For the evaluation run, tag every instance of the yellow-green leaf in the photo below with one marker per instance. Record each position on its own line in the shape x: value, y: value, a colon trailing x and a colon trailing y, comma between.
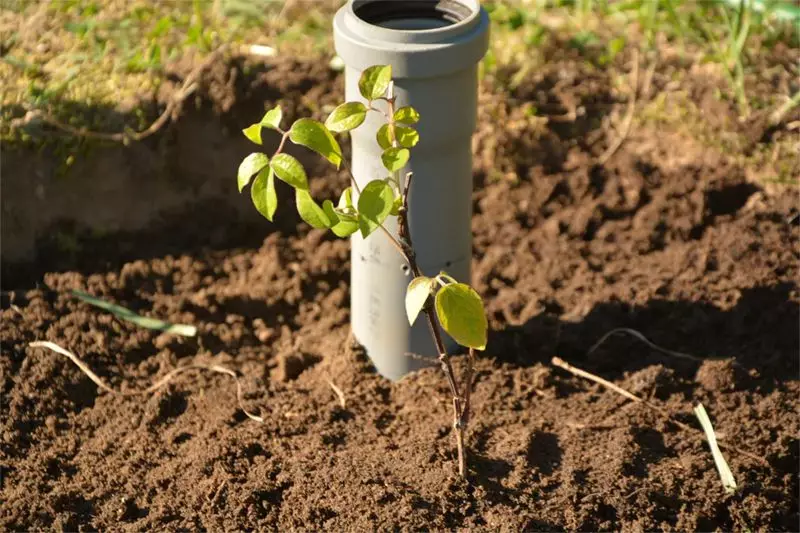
x: 314, y: 135
x: 263, y: 193
x: 374, y: 205
x: 346, y: 117
x: 289, y: 169
x: 374, y: 81
x: 253, y: 133
x: 310, y: 211
x: 249, y: 166
x: 395, y: 158
x: 460, y: 311
x: 416, y: 295
x: 406, y: 115
x: 272, y: 118
x: 406, y: 137
x: 384, y: 137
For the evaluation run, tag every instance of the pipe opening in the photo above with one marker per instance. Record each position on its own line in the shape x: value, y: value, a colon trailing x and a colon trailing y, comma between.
x: 411, y: 15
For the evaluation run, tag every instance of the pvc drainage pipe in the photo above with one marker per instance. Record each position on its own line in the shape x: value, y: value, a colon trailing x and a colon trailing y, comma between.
x: 434, y: 47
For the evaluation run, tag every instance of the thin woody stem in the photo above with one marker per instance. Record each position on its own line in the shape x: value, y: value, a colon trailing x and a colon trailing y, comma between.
x: 460, y: 403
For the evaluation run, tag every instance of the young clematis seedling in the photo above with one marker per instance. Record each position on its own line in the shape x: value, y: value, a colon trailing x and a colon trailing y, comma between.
x: 446, y: 303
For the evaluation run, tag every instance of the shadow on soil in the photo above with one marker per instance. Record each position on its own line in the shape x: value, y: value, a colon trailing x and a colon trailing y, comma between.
x: 759, y: 333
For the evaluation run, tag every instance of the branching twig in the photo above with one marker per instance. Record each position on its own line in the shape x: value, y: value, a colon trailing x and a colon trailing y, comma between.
x: 155, y: 386
x: 188, y: 87
x: 557, y: 361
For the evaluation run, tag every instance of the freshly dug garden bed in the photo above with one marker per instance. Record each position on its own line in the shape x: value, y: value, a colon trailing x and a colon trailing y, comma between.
x: 668, y: 236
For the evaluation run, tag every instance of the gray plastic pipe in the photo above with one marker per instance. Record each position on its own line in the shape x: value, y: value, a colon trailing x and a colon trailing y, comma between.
x: 434, y: 47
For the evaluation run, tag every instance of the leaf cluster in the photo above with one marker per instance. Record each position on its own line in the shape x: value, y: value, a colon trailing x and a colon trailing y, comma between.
x: 458, y: 307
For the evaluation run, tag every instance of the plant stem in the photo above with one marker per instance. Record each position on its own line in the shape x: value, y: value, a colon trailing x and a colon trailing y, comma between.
x: 460, y: 403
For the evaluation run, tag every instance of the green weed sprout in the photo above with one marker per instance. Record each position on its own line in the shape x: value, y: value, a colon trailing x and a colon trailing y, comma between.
x: 443, y: 300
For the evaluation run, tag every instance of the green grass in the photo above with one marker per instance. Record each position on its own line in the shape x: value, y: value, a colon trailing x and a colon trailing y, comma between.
x: 114, y: 54
x: 109, y: 52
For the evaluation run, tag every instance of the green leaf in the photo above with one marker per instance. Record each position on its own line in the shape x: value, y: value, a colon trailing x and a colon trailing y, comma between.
x: 253, y: 133
x: 383, y: 137
x: 460, y: 311
x: 374, y: 81
x: 406, y: 137
x: 346, y: 199
x: 327, y: 207
x: 416, y: 295
x: 395, y: 158
x: 310, y: 211
x: 314, y: 135
x: 374, y: 205
x: 250, y: 165
x: 344, y: 225
x: 143, y: 321
x: 272, y: 118
x: 346, y: 117
x: 290, y: 170
x: 263, y: 193
x: 406, y: 115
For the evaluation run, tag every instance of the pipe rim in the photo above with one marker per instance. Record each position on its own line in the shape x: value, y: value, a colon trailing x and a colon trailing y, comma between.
x: 431, y: 35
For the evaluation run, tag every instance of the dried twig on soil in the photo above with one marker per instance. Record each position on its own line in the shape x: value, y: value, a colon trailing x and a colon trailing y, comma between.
x: 626, y: 122
x: 188, y: 87
x: 557, y: 361
x: 155, y: 386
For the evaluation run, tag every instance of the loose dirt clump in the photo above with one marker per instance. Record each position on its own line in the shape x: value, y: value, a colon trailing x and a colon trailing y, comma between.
x: 663, y: 238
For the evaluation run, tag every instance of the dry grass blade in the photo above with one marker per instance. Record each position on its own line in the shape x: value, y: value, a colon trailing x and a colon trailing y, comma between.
x: 557, y: 361
x: 155, y: 386
x: 146, y: 322
x: 339, y: 393
x: 725, y: 474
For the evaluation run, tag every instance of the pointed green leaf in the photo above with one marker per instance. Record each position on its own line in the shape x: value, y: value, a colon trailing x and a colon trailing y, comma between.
x: 374, y: 205
x: 310, y: 211
x: 383, y: 137
x: 460, y: 311
x: 144, y: 321
x: 395, y: 158
x: 346, y: 199
x: 406, y: 115
x: 290, y: 170
x: 272, y: 118
x: 344, y: 225
x: 346, y: 117
x: 253, y: 133
x: 263, y: 193
x: 314, y: 135
x: 416, y: 295
x: 250, y: 165
x: 406, y: 137
x: 327, y: 207
x: 374, y: 81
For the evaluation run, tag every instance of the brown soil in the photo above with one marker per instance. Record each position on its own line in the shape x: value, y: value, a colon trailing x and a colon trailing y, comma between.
x: 667, y: 238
